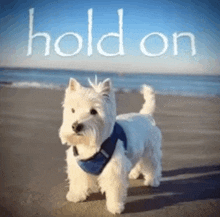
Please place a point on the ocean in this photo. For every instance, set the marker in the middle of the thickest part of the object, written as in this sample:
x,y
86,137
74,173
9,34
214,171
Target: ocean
x,y
185,85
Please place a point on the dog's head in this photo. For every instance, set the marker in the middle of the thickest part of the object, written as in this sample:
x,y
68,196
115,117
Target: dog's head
x,y
88,113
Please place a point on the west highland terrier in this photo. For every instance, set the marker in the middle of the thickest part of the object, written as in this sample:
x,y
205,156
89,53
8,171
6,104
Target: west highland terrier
x,y
106,150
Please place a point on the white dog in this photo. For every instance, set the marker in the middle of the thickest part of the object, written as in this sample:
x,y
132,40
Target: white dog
x,y
104,148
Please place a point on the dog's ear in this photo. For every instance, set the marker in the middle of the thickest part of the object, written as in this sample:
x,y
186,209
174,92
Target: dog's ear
x,y
106,87
74,84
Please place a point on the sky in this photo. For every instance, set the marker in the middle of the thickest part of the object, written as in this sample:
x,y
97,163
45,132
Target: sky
x,y
158,19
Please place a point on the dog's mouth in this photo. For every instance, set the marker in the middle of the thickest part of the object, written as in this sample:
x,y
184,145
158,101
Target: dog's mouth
x,y
77,134
78,139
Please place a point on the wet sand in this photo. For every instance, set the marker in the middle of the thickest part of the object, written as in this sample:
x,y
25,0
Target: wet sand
x,y
32,159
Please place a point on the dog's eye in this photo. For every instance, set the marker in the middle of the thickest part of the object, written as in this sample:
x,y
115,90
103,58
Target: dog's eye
x,y
73,110
93,112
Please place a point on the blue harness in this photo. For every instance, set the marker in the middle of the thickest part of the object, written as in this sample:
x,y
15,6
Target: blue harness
x,y
95,164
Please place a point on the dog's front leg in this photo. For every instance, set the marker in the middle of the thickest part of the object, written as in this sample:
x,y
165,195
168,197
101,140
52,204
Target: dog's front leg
x,y
78,182
116,196
114,182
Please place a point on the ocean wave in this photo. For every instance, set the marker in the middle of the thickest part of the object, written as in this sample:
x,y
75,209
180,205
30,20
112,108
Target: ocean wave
x,y
186,94
39,85
26,84
43,85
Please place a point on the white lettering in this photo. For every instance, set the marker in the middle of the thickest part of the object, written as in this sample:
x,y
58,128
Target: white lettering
x,y
112,34
145,52
118,35
57,48
184,34
90,13
41,34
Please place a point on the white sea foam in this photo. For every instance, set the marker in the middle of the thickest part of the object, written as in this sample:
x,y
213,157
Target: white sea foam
x,y
43,85
26,84
186,94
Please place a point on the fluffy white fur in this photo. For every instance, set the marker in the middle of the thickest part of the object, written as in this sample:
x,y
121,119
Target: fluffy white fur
x,y
143,154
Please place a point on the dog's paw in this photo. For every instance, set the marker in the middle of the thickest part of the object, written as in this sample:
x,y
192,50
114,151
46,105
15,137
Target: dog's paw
x,y
115,208
152,182
72,197
134,174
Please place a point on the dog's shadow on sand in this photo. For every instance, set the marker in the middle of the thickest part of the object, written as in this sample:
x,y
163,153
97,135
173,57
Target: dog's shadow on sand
x,y
176,189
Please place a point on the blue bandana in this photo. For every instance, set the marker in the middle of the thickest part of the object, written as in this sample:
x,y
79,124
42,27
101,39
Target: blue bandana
x,y
97,162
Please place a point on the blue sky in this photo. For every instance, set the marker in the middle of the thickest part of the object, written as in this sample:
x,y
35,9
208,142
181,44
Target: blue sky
x,y
140,18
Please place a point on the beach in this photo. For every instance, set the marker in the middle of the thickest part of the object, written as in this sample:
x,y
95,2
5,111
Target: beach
x,y
33,179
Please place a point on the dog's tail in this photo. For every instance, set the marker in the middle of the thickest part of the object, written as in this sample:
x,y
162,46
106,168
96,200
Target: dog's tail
x,y
149,97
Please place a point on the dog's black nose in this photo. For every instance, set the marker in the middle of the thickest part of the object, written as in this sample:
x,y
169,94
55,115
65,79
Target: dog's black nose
x,y
77,127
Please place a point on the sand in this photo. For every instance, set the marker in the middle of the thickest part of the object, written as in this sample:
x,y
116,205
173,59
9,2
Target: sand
x,y
32,159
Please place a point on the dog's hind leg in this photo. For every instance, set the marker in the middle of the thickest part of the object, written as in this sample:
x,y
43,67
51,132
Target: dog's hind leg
x,y
151,168
151,172
136,171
